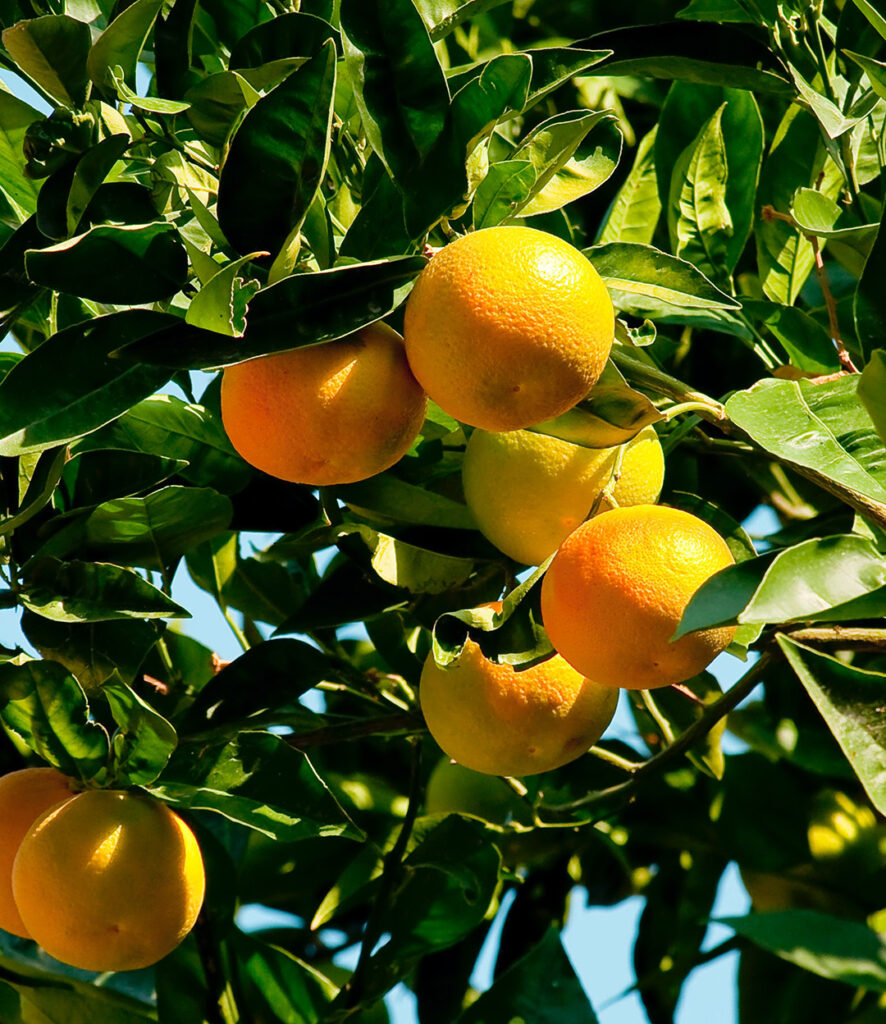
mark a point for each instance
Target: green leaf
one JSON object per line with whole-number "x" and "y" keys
{"x": 573, "y": 153}
{"x": 870, "y": 9}
{"x": 399, "y": 86}
{"x": 15, "y": 119}
{"x": 828, "y": 114}
{"x": 406, "y": 503}
{"x": 258, "y": 781}
{"x": 716, "y": 10}
{"x": 286, "y": 668}
{"x": 869, "y": 303}
{"x": 155, "y": 531}
{"x": 443, "y": 16}
{"x": 216, "y": 103}
{"x": 635, "y": 210}
{"x": 695, "y": 52}
{"x": 166, "y": 426}
{"x": 523, "y": 991}
{"x": 645, "y": 281}
{"x": 150, "y": 103}
{"x": 125, "y": 264}
{"x": 795, "y": 160}
{"x": 871, "y": 390}
{"x": 52, "y": 52}
{"x": 502, "y": 192}
{"x": 277, "y": 158}
{"x": 277, "y": 984}
{"x": 222, "y": 303}
{"x": 413, "y": 568}
{"x": 121, "y": 44}
{"x": 811, "y": 581}
{"x": 41, "y": 485}
{"x": 45, "y": 705}
{"x": 286, "y": 36}
{"x": 829, "y": 946}
{"x": 331, "y": 304}
{"x": 848, "y": 699}
{"x": 69, "y": 385}
{"x": 698, "y": 218}
{"x": 91, "y": 477}
{"x": 143, "y": 742}
{"x": 823, "y": 427}
{"x": 806, "y": 342}
{"x": 92, "y": 169}
{"x": 874, "y": 69}
{"x": 78, "y": 591}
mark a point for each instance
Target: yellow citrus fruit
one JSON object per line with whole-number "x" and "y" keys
{"x": 326, "y": 414}
{"x": 529, "y": 491}
{"x": 24, "y": 796}
{"x": 109, "y": 881}
{"x": 616, "y": 590}
{"x": 507, "y": 327}
{"x": 454, "y": 789}
{"x": 493, "y": 719}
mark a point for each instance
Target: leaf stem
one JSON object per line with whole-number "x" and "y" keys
{"x": 657, "y": 380}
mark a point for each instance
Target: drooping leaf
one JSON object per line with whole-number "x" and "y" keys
{"x": 634, "y": 213}
{"x": 823, "y": 427}
{"x": 45, "y": 705}
{"x": 277, "y": 158}
{"x": 331, "y": 304}
{"x": 830, "y": 946}
{"x": 91, "y": 171}
{"x": 848, "y": 699}
{"x": 143, "y": 742}
{"x": 52, "y": 51}
{"x": 872, "y": 390}
{"x": 77, "y": 591}
{"x": 390, "y": 496}
{"x": 121, "y": 43}
{"x": 69, "y": 386}
{"x": 645, "y": 281}
{"x": 126, "y": 264}
{"x": 41, "y": 485}
{"x": 91, "y": 477}
{"x": 399, "y": 86}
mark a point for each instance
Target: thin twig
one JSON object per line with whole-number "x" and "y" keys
{"x": 841, "y": 637}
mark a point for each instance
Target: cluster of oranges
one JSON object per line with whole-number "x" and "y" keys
{"x": 505, "y": 329}
{"x": 104, "y": 880}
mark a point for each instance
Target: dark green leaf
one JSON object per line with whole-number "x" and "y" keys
{"x": 277, "y": 983}
{"x": 331, "y": 304}
{"x": 216, "y": 103}
{"x": 645, "y": 281}
{"x": 44, "y": 479}
{"x": 872, "y": 390}
{"x": 849, "y": 700}
{"x": 388, "y": 495}
{"x": 223, "y": 301}
{"x": 155, "y": 531}
{"x": 501, "y": 194}
{"x": 92, "y": 169}
{"x": 258, "y": 781}
{"x": 716, "y": 10}
{"x": 45, "y": 705}
{"x": 15, "y": 118}
{"x": 872, "y": 10}
{"x": 121, "y": 43}
{"x": 144, "y": 740}
{"x": 444, "y": 16}
{"x": 91, "y": 477}
{"x": 52, "y": 52}
{"x": 286, "y": 668}
{"x": 806, "y": 342}
{"x": 277, "y": 158}
{"x": 868, "y": 308}
{"x": 875, "y": 70}
{"x": 826, "y": 945}
{"x": 288, "y": 35}
{"x": 399, "y": 86}
{"x": 92, "y": 592}
{"x": 541, "y": 987}
{"x": 70, "y": 385}
{"x": 126, "y": 264}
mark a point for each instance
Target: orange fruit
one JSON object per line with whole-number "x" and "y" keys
{"x": 496, "y": 720}
{"x": 507, "y": 327}
{"x": 24, "y": 796}
{"x": 616, "y": 590}
{"x": 109, "y": 881}
{"x": 529, "y": 491}
{"x": 326, "y": 414}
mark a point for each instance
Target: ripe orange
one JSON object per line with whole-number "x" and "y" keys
{"x": 493, "y": 719}
{"x": 109, "y": 881}
{"x": 507, "y": 327}
{"x": 529, "y": 491}
{"x": 24, "y": 796}
{"x": 616, "y": 590}
{"x": 326, "y": 414}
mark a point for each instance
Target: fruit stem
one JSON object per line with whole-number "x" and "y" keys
{"x": 657, "y": 380}
{"x": 616, "y": 760}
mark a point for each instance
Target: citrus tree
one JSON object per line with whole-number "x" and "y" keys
{"x": 198, "y": 184}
